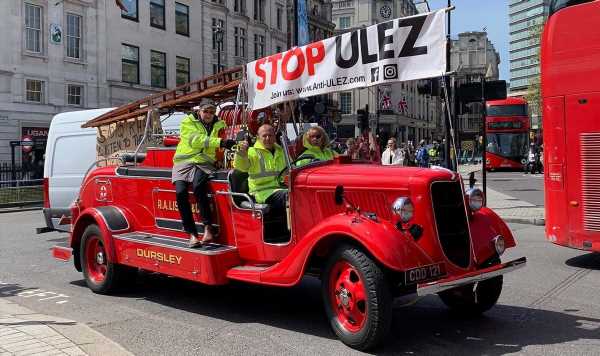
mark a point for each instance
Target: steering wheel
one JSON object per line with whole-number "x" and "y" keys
{"x": 284, "y": 172}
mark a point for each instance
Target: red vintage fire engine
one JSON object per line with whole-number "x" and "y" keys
{"x": 371, "y": 233}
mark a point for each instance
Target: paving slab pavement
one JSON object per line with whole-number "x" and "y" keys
{"x": 510, "y": 208}
{"x": 24, "y": 332}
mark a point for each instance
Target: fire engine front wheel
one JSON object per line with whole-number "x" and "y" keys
{"x": 357, "y": 298}
{"x": 474, "y": 299}
{"x": 101, "y": 275}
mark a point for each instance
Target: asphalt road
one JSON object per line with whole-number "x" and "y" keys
{"x": 551, "y": 307}
{"x": 526, "y": 187}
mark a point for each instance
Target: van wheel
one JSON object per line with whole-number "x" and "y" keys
{"x": 357, "y": 298}
{"x": 101, "y": 275}
{"x": 474, "y": 299}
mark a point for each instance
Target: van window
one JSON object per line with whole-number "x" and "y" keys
{"x": 73, "y": 154}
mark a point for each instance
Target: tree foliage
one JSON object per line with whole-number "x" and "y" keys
{"x": 534, "y": 95}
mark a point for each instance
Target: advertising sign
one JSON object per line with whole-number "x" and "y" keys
{"x": 403, "y": 49}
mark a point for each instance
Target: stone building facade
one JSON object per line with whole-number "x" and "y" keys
{"x": 63, "y": 55}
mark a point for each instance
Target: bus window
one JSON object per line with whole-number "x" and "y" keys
{"x": 561, "y": 4}
{"x": 506, "y": 110}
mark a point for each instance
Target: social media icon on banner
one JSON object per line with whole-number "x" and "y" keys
{"x": 374, "y": 74}
{"x": 390, "y": 71}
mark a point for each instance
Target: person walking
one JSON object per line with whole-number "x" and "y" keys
{"x": 422, "y": 156}
{"x": 193, "y": 163}
{"x": 392, "y": 154}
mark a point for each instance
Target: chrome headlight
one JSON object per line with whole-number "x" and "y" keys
{"x": 475, "y": 196}
{"x": 404, "y": 208}
{"x": 499, "y": 245}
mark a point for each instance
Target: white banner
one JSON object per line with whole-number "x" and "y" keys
{"x": 398, "y": 50}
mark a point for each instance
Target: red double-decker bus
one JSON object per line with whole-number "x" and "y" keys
{"x": 570, "y": 74}
{"x": 507, "y": 130}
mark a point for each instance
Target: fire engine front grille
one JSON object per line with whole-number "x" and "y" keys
{"x": 451, "y": 222}
{"x": 590, "y": 180}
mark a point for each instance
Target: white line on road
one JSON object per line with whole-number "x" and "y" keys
{"x": 13, "y": 289}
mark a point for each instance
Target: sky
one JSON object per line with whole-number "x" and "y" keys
{"x": 474, "y": 15}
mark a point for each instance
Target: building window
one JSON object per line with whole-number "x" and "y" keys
{"x": 259, "y": 46}
{"x": 158, "y": 69}
{"x": 157, "y": 13}
{"x": 215, "y": 71}
{"x": 130, "y": 60}
{"x": 239, "y": 6}
{"x": 131, "y": 11}
{"x": 239, "y": 37}
{"x": 345, "y": 22}
{"x": 34, "y": 90}
{"x": 182, "y": 70}
{"x": 73, "y": 36}
{"x": 216, "y": 23}
{"x": 346, "y": 103}
{"x": 74, "y": 94}
{"x": 259, "y": 10}
{"x": 279, "y": 17}
{"x": 33, "y": 28}
{"x": 182, "y": 19}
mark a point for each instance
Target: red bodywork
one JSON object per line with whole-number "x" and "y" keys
{"x": 146, "y": 203}
{"x": 571, "y": 116}
{"x": 507, "y": 129}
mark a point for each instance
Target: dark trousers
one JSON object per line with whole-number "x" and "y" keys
{"x": 200, "y": 189}
{"x": 277, "y": 201}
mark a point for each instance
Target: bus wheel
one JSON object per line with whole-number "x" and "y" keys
{"x": 474, "y": 299}
{"x": 101, "y": 275}
{"x": 357, "y": 298}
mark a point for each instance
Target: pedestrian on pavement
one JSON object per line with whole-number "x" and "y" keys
{"x": 194, "y": 162}
{"x": 392, "y": 154}
{"x": 352, "y": 148}
{"x": 316, "y": 144}
{"x": 422, "y": 156}
{"x": 263, "y": 162}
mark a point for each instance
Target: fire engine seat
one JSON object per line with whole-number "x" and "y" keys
{"x": 238, "y": 183}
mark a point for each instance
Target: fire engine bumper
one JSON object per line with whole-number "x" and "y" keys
{"x": 62, "y": 252}
{"x": 471, "y": 277}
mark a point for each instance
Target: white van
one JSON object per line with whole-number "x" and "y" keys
{"x": 70, "y": 151}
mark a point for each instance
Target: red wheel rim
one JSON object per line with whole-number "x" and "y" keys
{"x": 347, "y": 296}
{"x": 95, "y": 259}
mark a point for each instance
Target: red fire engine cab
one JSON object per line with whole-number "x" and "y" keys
{"x": 371, "y": 233}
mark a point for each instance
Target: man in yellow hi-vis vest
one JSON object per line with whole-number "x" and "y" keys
{"x": 194, "y": 162}
{"x": 263, "y": 162}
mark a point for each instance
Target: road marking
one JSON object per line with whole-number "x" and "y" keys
{"x": 14, "y": 289}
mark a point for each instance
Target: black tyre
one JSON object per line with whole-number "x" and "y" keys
{"x": 357, "y": 298}
{"x": 101, "y": 275}
{"x": 472, "y": 300}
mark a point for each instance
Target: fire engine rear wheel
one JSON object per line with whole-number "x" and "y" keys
{"x": 101, "y": 275}
{"x": 357, "y": 298}
{"x": 472, "y": 300}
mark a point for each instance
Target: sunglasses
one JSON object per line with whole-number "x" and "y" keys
{"x": 209, "y": 111}
{"x": 315, "y": 136}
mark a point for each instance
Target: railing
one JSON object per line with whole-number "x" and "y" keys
{"x": 21, "y": 193}
{"x": 10, "y": 173}
{"x": 344, "y": 4}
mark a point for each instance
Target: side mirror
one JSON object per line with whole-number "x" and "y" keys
{"x": 339, "y": 195}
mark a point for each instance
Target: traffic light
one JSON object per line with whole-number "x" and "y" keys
{"x": 471, "y": 92}
{"x": 429, "y": 87}
{"x": 362, "y": 119}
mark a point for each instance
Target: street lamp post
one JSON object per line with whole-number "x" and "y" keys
{"x": 219, "y": 40}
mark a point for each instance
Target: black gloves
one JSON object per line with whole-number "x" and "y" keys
{"x": 227, "y": 143}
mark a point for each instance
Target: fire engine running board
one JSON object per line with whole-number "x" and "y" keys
{"x": 173, "y": 243}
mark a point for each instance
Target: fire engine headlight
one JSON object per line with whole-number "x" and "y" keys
{"x": 499, "y": 245}
{"x": 523, "y": 161}
{"x": 404, "y": 208}
{"x": 475, "y": 196}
